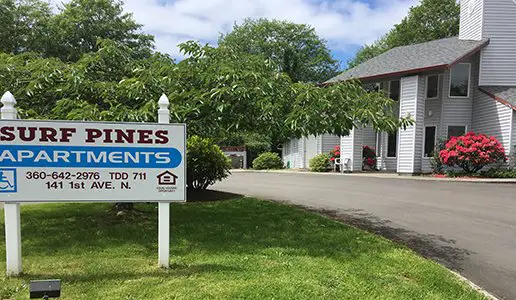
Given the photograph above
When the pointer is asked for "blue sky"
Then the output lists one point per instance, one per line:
(345, 24)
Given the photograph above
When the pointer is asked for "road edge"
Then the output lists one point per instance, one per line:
(385, 176)
(473, 285)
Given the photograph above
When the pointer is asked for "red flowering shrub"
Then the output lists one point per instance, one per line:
(369, 158)
(335, 153)
(472, 152)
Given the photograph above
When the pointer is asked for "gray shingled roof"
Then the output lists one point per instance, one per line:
(504, 93)
(406, 59)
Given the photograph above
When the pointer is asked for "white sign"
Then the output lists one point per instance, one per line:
(74, 161)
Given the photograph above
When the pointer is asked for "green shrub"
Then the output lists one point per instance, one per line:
(255, 148)
(491, 173)
(268, 161)
(499, 173)
(206, 163)
(435, 160)
(461, 173)
(472, 152)
(320, 163)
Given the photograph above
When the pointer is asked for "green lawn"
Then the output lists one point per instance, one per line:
(237, 249)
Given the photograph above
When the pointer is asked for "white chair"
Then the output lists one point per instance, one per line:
(343, 164)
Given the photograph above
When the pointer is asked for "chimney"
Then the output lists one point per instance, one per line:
(494, 20)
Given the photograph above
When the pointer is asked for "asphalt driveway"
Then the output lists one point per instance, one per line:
(469, 227)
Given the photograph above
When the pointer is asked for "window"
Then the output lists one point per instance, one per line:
(394, 90)
(456, 131)
(459, 80)
(432, 87)
(373, 87)
(392, 144)
(429, 141)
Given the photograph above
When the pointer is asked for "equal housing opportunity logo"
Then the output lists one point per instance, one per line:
(167, 182)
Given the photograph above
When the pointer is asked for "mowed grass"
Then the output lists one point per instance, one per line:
(237, 249)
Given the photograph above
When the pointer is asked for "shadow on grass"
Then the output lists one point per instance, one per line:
(238, 226)
(210, 195)
(432, 246)
(175, 270)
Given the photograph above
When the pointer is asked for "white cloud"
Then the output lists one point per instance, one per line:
(343, 23)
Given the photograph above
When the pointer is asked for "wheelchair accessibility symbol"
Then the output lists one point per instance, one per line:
(8, 181)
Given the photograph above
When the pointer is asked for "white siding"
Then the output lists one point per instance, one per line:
(295, 153)
(351, 148)
(408, 106)
(286, 153)
(329, 142)
(310, 150)
(386, 163)
(513, 142)
(420, 123)
(283, 152)
(471, 23)
(498, 59)
(458, 111)
(358, 138)
(292, 157)
(369, 137)
(492, 118)
(435, 107)
(390, 164)
(298, 152)
(300, 161)
(346, 148)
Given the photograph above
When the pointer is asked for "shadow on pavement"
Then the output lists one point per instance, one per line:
(431, 246)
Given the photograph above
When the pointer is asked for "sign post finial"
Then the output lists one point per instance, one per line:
(8, 110)
(163, 112)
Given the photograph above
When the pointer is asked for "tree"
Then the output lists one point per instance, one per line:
(431, 20)
(81, 23)
(30, 26)
(112, 84)
(24, 25)
(337, 109)
(218, 90)
(295, 48)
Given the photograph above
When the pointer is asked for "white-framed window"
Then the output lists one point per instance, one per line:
(392, 144)
(394, 90)
(460, 80)
(430, 139)
(432, 86)
(456, 130)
